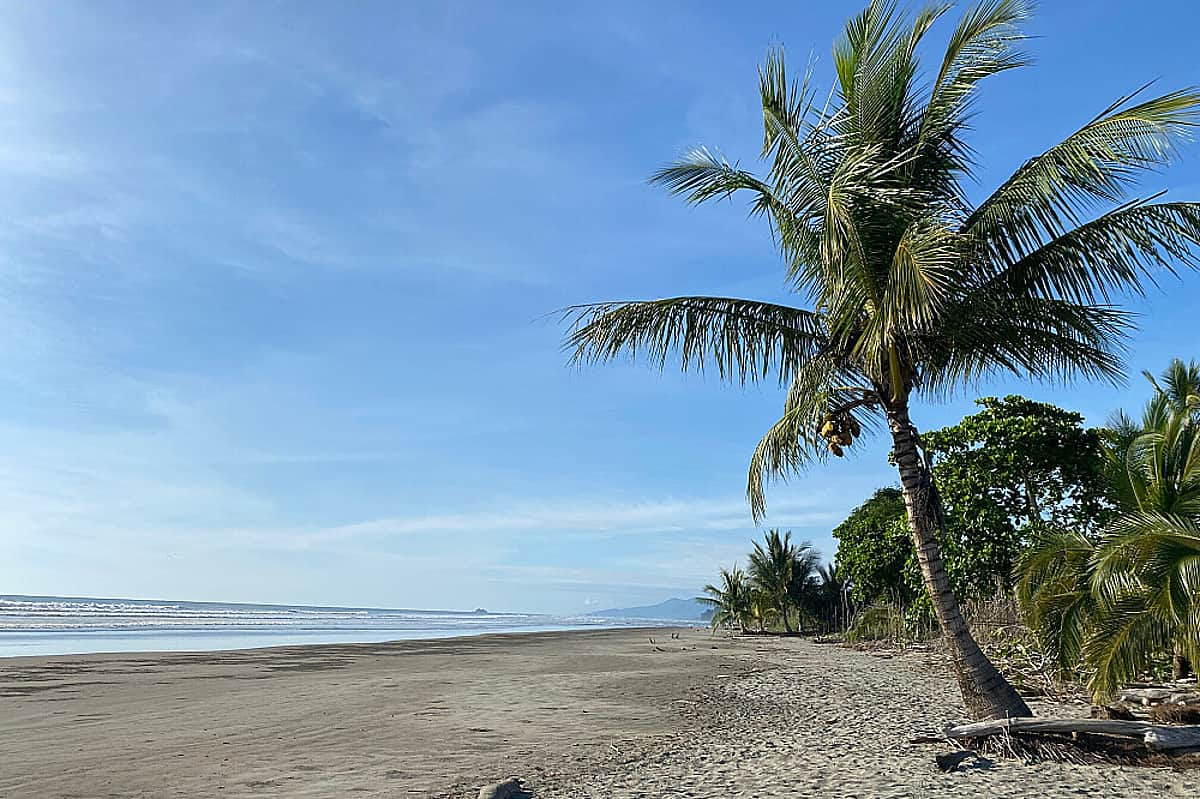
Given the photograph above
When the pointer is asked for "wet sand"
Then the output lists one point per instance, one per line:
(577, 714)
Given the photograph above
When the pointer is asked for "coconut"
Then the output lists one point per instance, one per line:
(828, 429)
(835, 449)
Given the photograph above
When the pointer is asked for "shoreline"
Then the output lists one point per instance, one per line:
(366, 637)
(590, 713)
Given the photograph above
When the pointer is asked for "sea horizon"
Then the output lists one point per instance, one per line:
(49, 625)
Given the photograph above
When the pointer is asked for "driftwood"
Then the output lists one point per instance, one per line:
(1160, 737)
(1154, 696)
(1175, 714)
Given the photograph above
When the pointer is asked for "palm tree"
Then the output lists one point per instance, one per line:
(1147, 583)
(1147, 573)
(762, 611)
(804, 585)
(911, 290)
(826, 600)
(1055, 593)
(730, 602)
(1157, 464)
(1120, 602)
(775, 568)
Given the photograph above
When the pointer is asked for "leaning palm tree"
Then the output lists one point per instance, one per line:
(911, 290)
(730, 602)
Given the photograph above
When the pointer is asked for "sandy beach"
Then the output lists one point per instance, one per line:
(576, 714)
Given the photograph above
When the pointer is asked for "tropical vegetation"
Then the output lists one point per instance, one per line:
(1100, 530)
(1005, 474)
(1121, 599)
(785, 582)
(909, 290)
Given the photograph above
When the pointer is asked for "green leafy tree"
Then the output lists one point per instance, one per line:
(1004, 473)
(1015, 467)
(911, 291)
(874, 546)
(1032, 461)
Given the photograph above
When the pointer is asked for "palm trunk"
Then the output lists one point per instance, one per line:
(1181, 667)
(985, 692)
(787, 622)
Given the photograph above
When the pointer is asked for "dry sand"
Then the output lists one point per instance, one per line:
(578, 714)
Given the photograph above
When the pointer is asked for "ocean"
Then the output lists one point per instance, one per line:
(54, 625)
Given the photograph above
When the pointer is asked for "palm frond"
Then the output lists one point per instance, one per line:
(1119, 251)
(794, 441)
(1054, 591)
(1123, 642)
(1160, 550)
(743, 339)
(1042, 338)
(920, 281)
(1097, 164)
(701, 175)
(982, 45)
(792, 206)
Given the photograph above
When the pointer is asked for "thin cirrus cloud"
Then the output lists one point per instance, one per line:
(584, 517)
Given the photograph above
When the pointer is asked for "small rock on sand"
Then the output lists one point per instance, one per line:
(508, 789)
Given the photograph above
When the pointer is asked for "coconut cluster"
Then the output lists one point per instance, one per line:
(840, 431)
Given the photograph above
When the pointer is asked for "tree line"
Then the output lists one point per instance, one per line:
(1095, 531)
(786, 586)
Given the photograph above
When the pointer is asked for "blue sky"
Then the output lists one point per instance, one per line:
(274, 278)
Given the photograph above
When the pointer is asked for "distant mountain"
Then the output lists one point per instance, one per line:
(674, 609)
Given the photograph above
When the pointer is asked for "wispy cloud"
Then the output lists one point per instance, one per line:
(587, 517)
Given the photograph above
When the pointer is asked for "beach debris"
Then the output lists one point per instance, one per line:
(1164, 704)
(1159, 737)
(1154, 695)
(510, 788)
(1118, 712)
(1175, 713)
(951, 761)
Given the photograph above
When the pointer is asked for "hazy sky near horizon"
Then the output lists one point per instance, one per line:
(275, 275)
